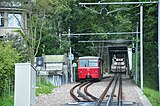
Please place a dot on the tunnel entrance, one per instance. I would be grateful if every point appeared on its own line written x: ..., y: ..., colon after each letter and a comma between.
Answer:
x: 118, y: 58
x: 118, y: 51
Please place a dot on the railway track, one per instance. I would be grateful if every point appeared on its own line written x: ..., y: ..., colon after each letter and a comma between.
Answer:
x: 110, y: 95
x: 80, y: 96
x: 106, y: 97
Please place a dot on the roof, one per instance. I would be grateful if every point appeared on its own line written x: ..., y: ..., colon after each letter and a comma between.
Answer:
x: 54, y: 58
x: 86, y: 57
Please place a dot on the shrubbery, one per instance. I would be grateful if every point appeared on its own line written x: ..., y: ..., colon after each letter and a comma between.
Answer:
x: 8, y: 57
x: 44, y: 87
x: 153, y: 96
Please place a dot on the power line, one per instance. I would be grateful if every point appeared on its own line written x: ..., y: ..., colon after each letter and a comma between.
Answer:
x: 107, y: 41
x: 114, y: 33
x: 119, y: 3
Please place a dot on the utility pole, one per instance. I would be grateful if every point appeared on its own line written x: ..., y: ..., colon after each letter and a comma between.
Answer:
x: 141, y: 43
x: 70, y: 54
x: 137, y: 53
x: 159, y: 43
x: 70, y: 59
x: 132, y: 56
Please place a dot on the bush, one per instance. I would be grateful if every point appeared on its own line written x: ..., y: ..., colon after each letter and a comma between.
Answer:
x: 44, y: 87
x: 7, y: 101
x: 153, y: 96
x: 8, y: 57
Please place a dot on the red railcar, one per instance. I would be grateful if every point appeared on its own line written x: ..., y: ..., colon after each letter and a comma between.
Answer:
x: 90, y: 67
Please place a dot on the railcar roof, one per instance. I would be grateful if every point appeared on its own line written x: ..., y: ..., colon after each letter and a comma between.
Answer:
x: 87, y: 57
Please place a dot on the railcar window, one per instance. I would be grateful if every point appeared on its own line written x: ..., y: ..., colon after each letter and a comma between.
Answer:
x: 83, y: 63
x: 93, y: 63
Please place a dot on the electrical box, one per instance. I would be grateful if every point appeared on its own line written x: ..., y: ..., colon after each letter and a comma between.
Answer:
x: 25, y: 85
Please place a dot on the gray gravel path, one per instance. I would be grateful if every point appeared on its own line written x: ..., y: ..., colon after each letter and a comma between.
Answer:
x: 61, y: 95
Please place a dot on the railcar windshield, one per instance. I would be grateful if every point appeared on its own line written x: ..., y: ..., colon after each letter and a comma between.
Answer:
x: 93, y: 63
x: 83, y: 63
x: 88, y: 63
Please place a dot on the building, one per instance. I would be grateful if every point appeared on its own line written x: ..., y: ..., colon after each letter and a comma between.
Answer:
x: 12, y: 17
x: 55, y: 69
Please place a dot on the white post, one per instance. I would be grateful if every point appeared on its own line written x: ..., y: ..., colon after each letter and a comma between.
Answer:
x: 70, y: 57
x: 66, y: 73
x: 70, y: 54
x: 132, y: 56
x: 141, y: 43
x: 159, y: 43
x: 137, y: 54
x: 74, y: 66
x: 74, y: 74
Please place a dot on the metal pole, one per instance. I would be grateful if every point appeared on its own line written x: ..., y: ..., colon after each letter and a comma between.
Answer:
x: 74, y: 74
x: 137, y: 53
x: 132, y: 58
x: 118, y: 3
x: 141, y: 43
x: 108, y: 33
x: 159, y: 43
x: 66, y: 72
x: 70, y: 55
x: 71, y: 65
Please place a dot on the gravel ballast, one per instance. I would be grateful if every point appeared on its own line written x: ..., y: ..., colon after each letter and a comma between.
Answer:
x: 61, y: 95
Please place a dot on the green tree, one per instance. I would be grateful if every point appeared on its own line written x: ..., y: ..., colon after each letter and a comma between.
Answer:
x: 151, y: 46
x: 36, y: 12
x: 8, y: 57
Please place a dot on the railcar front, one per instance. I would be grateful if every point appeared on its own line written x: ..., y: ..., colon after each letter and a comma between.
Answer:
x: 89, y: 68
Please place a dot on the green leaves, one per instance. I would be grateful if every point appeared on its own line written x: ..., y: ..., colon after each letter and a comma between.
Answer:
x: 8, y: 57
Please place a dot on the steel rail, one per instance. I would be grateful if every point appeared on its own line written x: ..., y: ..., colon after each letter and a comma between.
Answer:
x: 72, y: 93
x: 99, y: 101
x: 112, y: 92
x: 118, y: 77
x: 81, y: 94
x: 88, y: 94
x: 120, y: 92
x: 119, y: 103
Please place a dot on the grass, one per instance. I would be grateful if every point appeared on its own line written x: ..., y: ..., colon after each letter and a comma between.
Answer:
x: 7, y: 100
x: 153, y: 96
x: 44, y: 89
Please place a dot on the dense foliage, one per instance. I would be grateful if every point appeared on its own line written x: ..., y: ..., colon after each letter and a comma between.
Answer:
x: 8, y: 57
x: 151, y: 46
x: 7, y: 100
x: 153, y: 96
